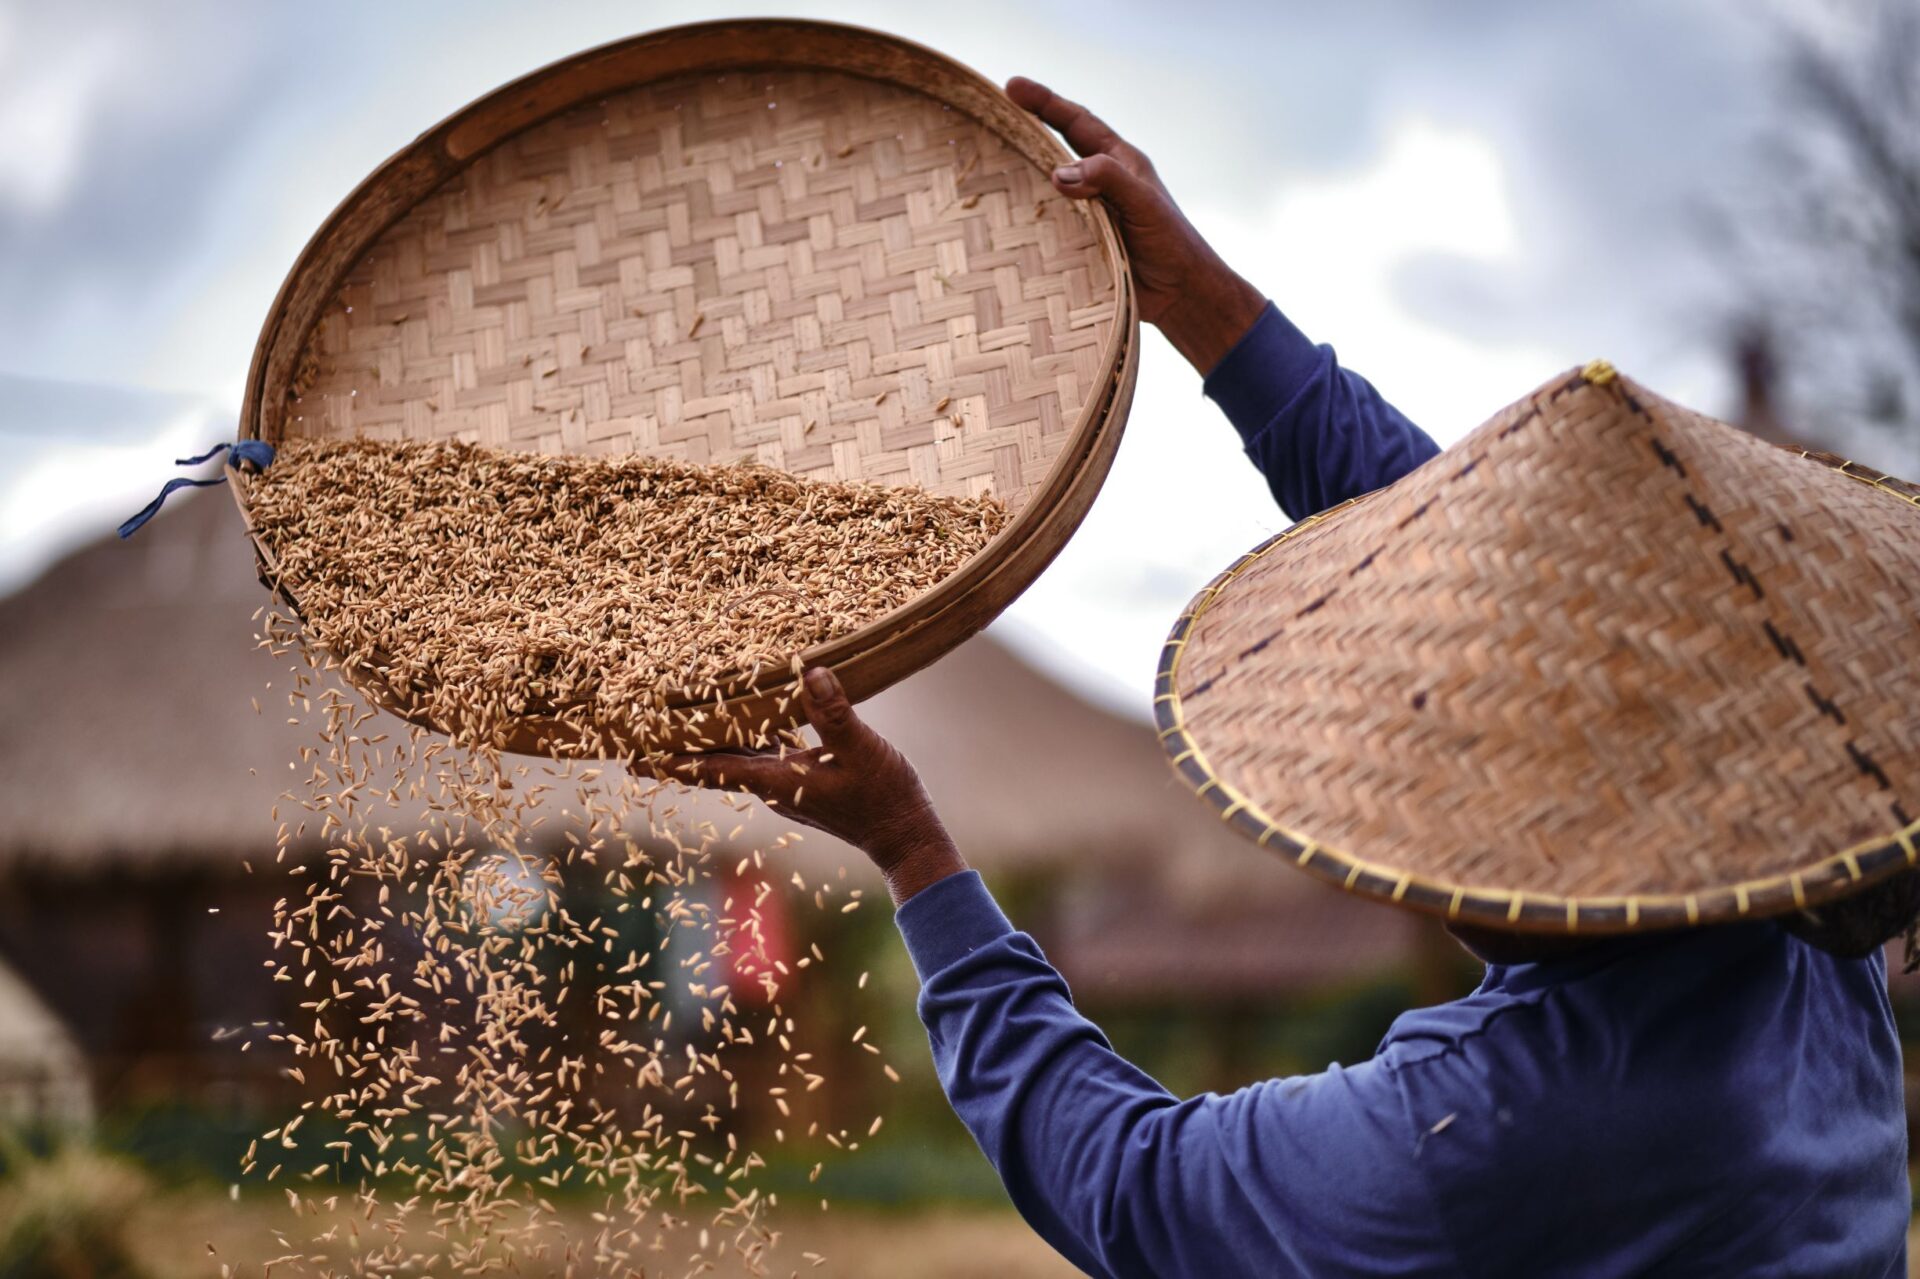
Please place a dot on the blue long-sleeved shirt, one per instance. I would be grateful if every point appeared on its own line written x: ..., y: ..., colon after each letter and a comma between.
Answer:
x: 1319, y: 433
x: 1722, y: 1101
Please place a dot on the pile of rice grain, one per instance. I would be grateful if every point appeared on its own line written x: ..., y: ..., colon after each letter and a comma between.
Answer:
x: 521, y: 984
x: 486, y: 585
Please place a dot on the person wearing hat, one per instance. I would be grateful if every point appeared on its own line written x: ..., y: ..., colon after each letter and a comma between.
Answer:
x: 1624, y: 695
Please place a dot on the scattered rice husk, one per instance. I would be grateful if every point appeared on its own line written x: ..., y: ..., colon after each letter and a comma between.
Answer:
x: 480, y: 587
x: 522, y: 979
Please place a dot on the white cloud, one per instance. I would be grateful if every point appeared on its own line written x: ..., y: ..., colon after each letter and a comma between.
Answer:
x: 1182, y: 501
x: 65, y: 493
x: 1330, y: 248
x: 47, y: 104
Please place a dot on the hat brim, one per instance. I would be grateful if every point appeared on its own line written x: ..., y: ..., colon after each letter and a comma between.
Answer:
x: 1495, y: 905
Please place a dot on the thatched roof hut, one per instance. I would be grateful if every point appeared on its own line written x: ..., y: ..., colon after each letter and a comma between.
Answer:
x: 133, y: 753
x: 127, y: 728
x: 43, y: 1078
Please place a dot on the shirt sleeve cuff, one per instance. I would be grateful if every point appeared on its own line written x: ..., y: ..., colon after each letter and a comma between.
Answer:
x: 948, y: 921
x: 1263, y: 372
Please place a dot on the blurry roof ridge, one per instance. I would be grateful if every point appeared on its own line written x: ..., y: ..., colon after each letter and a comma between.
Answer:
x: 128, y: 736
x: 27, y: 400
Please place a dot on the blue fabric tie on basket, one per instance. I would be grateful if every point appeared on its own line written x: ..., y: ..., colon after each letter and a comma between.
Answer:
x: 258, y: 452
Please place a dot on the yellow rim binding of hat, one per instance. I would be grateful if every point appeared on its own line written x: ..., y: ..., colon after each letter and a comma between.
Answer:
x: 1496, y: 907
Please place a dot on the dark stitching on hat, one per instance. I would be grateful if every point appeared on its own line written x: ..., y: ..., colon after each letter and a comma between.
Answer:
x: 1866, y: 764
x: 1787, y: 648
x: 1367, y: 562
x: 1413, y: 515
x: 1824, y: 706
x: 1520, y: 423
x: 1783, y: 643
x: 1864, y: 861
x: 1410, y: 518
x: 1420, y: 698
x: 1742, y: 575
x: 1706, y: 517
x: 1666, y: 455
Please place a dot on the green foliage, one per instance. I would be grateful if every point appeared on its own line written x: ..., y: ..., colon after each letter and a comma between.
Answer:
x: 1200, y: 1047
x: 181, y: 1141
x: 937, y: 1165
x: 63, y: 1215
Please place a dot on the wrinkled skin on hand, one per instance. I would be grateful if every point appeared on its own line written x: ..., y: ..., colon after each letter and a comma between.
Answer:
x: 855, y: 785
x: 1182, y: 285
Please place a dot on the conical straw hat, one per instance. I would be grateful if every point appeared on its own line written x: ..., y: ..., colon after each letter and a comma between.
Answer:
x: 1605, y: 665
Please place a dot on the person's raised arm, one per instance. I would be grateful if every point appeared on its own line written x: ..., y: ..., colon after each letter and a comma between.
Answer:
x: 1304, y: 1176
x: 1319, y: 433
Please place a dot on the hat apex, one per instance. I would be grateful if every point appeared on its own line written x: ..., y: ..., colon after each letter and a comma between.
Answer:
x: 1606, y: 664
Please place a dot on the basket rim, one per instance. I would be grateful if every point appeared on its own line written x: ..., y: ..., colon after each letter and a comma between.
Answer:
x: 449, y: 149
x: 1501, y: 908
x: 536, y: 735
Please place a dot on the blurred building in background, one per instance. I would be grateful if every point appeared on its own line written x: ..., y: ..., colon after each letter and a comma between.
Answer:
x: 136, y: 855
x: 43, y: 1074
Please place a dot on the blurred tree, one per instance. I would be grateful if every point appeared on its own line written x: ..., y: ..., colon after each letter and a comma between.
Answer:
x: 1827, y: 238
x: 64, y: 1215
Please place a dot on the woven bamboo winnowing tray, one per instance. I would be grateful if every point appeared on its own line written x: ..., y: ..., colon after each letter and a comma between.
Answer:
x: 807, y: 245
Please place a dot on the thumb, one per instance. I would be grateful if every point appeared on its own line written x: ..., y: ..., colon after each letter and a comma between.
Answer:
x: 831, y: 714
x: 1102, y: 175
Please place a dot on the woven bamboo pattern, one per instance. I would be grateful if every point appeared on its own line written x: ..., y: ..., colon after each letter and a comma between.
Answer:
x: 802, y: 244
x: 1606, y: 664
x: 807, y: 269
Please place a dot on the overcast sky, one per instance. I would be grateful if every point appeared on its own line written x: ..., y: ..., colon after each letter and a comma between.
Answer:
x: 1464, y: 198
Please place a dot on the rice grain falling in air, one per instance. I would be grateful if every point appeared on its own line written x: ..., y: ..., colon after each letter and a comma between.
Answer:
x: 520, y: 981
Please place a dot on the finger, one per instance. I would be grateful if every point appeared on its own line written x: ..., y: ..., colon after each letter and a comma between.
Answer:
x: 766, y: 776
x: 842, y: 733
x: 1137, y: 199
x: 1028, y: 95
x: 1084, y: 131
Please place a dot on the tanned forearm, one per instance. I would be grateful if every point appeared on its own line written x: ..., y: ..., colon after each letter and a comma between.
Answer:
x: 922, y: 866
x: 1204, y: 324
x: 854, y: 785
